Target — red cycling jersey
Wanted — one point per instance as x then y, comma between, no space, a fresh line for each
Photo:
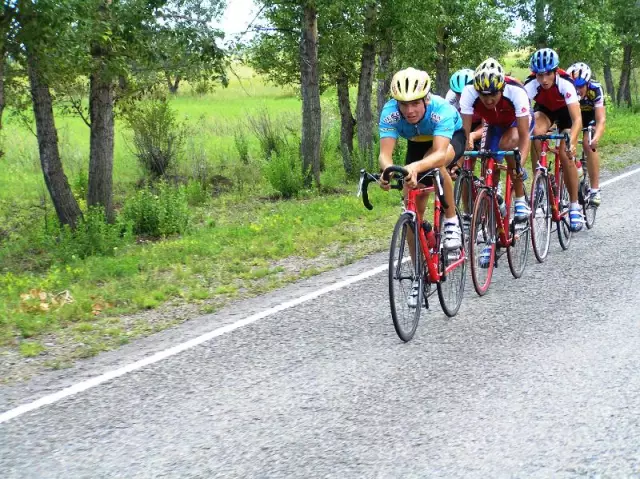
513,103
561,94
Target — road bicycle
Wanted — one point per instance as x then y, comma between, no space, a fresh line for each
493,225
589,210
419,260
549,198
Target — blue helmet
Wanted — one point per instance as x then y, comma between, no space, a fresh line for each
461,78
544,60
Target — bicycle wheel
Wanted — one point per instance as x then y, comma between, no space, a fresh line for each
564,232
518,252
451,288
540,216
402,274
482,242
588,210
463,194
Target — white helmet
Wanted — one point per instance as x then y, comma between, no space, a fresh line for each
580,72
489,76
410,84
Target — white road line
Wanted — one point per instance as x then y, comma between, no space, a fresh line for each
159,356
618,178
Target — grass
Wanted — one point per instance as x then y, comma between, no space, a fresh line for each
240,244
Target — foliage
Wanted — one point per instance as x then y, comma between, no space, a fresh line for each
158,137
284,172
157,213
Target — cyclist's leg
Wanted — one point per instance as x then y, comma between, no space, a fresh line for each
509,141
542,124
593,161
452,232
570,174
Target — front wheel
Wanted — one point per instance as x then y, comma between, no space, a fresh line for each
405,311
588,210
482,243
540,216
454,266
564,203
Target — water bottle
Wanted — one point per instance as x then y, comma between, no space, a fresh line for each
431,236
501,205
580,170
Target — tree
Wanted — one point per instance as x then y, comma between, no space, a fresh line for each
311,115
36,24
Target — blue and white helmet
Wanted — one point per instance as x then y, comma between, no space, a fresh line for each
581,73
544,60
461,78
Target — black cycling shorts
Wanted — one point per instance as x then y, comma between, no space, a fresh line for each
561,117
588,117
416,150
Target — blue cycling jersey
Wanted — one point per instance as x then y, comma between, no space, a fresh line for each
440,119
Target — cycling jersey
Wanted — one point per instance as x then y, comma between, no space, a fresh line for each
453,100
593,97
440,119
514,103
561,94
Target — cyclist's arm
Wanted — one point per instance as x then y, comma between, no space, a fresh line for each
576,123
601,118
476,134
386,152
524,143
466,124
437,156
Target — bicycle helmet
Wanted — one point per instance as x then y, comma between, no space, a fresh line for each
410,84
489,77
544,60
461,78
581,73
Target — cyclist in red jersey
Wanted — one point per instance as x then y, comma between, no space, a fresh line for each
504,106
556,102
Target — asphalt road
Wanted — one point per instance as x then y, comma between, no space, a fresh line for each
537,379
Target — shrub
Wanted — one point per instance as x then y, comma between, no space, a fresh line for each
93,236
242,145
270,134
158,137
162,212
284,172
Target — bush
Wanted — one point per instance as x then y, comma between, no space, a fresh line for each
160,213
242,145
270,135
284,172
93,236
158,137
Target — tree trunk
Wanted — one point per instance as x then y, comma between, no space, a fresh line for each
310,86
442,62
608,77
540,27
173,84
624,88
365,85
64,202
347,122
384,74
101,144
101,99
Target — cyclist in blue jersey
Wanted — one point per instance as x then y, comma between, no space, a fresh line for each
435,139
433,129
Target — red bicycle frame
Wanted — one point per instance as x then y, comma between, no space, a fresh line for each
432,259
544,149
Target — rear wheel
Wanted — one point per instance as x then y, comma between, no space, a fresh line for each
564,203
540,216
402,275
588,209
518,251
451,288
482,243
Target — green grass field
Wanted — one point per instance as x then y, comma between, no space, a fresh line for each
239,244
